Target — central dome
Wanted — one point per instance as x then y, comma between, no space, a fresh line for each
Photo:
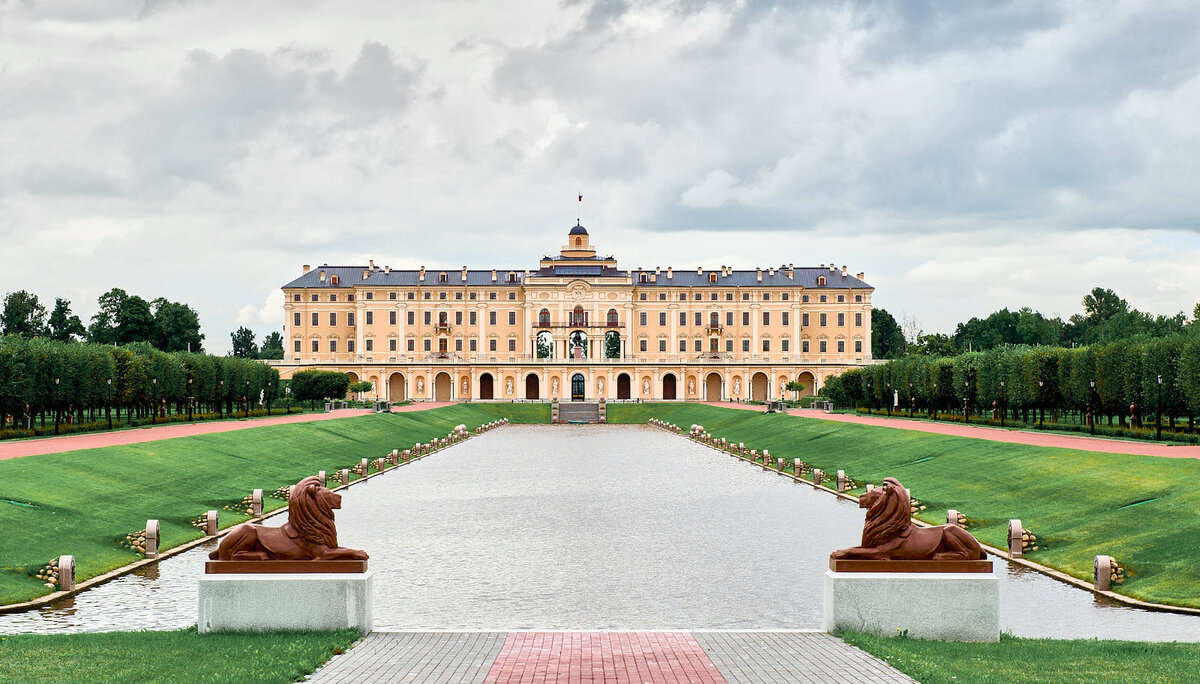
578,230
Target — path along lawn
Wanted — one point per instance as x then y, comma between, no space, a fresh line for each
182,655
84,502
1035,661
1139,509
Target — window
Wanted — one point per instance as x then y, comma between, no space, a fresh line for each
841,346
841,298
391,318
766,345
821,346
473,296
296,320
728,318
662,296
491,318
683,296
411,295
729,345
458,345
391,345
766,318
512,319
612,318
370,296
458,296
512,296
858,346
428,344
858,298
443,319
662,318
474,344
333,298
512,345
441,295
697,297
642,296
371,318
642,318
858,320
698,346
350,318
473,318
442,279
699,318
349,297
729,296
713,297
662,345
804,298
820,280
682,345
783,344
745,318
315,320
712,277
492,296
642,345
683,318
746,345
412,344
332,345
428,295
785,296
457,318
296,346
766,296
492,344
804,346
823,317
804,320
314,298
350,345
822,299
314,345
643,277
745,296
411,315
428,317
296,297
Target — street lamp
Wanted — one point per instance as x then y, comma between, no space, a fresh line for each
1041,406
1158,412
934,402
889,400
221,399
246,399
1002,403
870,398
1091,409
191,400
268,399
288,392
108,403
153,401
966,401
57,412
911,401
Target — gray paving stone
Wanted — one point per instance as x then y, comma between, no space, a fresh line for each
433,657
791,657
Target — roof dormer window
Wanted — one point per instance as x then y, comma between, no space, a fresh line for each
820,280
441,277
333,280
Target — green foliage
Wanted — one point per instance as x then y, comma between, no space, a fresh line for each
316,385
65,326
23,315
362,386
136,657
243,343
887,340
176,327
134,321
272,346
612,345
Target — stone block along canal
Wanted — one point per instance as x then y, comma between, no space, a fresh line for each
593,528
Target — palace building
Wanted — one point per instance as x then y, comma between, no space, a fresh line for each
578,327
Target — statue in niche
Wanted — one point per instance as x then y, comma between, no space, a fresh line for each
420,385
554,387
737,387
888,533
691,386
466,387
599,385
645,386
508,386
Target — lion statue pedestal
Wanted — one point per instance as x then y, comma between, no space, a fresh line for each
293,577
926,582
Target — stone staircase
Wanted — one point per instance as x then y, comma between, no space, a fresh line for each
578,412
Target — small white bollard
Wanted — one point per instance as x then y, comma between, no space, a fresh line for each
344,476
380,464
256,503
818,475
841,481
152,538
66,573
210,523
1015,530
364,467
321,475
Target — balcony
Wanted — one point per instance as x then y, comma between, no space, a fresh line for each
545,325
442,328
713,329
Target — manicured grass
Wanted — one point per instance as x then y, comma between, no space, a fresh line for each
176,656
84,502
1035,661
1078,503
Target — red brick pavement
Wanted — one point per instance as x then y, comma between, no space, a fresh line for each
1060,441
602,658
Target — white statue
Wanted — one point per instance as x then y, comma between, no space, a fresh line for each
261,395
466,387
645,386
554,386
737,387
599,385
420,385
691,386
508,386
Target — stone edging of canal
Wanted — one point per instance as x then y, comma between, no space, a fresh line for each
56,596
1037,567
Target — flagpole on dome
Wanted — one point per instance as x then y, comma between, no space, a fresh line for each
577,220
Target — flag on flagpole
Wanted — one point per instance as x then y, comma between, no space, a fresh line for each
581,198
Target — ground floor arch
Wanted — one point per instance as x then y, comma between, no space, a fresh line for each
353,378
758,387
712,387
396,390
668,386
810,384
623,386
532,386
578,387
486,388
443,387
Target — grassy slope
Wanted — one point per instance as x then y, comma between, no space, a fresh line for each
85,502
1035,661
1072,500
137,657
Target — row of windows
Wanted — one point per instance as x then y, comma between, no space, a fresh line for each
766,297
714,319
392,344
784,345
370,296
443,318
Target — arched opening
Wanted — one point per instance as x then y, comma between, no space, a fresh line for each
668,383
544,318
612,318
623,386
577,387
443,319
714,320
545,345
578,345
578,317
758,387
712,387
443,387
396,387
353,377
810,384
486,390
612,345
578,242
531,386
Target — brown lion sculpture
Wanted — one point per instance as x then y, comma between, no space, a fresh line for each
890,535
309,533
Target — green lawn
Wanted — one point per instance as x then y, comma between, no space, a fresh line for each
1078,503
1035,661
85,502
184,655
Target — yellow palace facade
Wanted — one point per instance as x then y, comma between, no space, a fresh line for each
578,328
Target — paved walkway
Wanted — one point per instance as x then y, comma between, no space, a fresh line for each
605,658
93,440
1046,439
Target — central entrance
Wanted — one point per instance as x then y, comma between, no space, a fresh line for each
577,387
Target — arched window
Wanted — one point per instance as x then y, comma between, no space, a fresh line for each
544,318
820,280
714,319
578,241
333,280
578,317
612,318
442,319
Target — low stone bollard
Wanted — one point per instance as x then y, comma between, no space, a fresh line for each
151,538
1015,548
818,476
797,467
344,476
741,449
210,523
256,503
1107,572
66,573
380,464
394,457
766,456
321,475
956,518
870,488
404,455
841,480
779,465
364,466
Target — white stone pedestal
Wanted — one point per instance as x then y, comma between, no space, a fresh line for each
286,602
947,606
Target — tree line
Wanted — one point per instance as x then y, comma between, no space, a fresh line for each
1106,317
1129,381
122,318
76,382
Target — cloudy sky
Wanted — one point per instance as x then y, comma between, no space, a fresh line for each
965,155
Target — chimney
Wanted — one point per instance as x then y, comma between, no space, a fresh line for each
322,275
771,271
657,270
365,272
861,276
306,268
699,270
843,271
791,272
822,265
387,270
758,274
464,274
832,267
371,264
670,273
421,274
493,275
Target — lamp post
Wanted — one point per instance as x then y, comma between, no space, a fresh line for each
268,399
870,398
889,400
246,400
56,402
1091,408
191,399
108,403
934,402
1158,412
911,400
153,401
1002,403
1041,406
966,401
288,398
220,399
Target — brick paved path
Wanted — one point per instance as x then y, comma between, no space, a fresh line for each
605,658
94,440
995,434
